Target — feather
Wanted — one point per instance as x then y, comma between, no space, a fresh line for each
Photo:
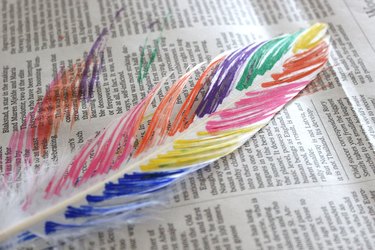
109,178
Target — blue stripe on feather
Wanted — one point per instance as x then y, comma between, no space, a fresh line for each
136,183
86,211
52,227
21,238
128,186
25,236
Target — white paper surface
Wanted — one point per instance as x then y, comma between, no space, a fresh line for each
306,181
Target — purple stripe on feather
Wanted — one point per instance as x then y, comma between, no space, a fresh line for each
223,78
86,85
95,58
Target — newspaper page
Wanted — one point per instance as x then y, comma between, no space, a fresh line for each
305,181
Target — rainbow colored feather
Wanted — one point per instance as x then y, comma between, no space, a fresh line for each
108,178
